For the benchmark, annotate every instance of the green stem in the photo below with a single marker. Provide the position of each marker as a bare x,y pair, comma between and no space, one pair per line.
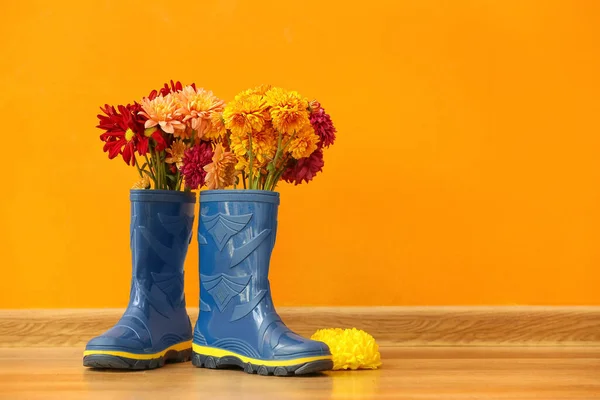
251,172
288,142
264,182
161,168
281,168
151,173
138,166
273,164
228,138
277,177
157,170
177,178
163,171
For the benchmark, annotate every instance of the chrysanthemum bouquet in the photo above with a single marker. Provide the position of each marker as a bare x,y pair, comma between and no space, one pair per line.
156,135
186,137
272,134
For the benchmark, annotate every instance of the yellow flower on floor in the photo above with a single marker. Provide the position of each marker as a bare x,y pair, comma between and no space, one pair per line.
304,143
288,109
143,183
351,348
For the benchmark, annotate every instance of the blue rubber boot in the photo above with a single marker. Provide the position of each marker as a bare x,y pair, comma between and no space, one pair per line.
155,328
238,324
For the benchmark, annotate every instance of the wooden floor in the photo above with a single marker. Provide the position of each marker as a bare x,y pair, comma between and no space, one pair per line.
408,373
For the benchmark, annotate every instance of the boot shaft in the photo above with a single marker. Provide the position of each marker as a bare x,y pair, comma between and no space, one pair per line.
236,235
160,232
237,231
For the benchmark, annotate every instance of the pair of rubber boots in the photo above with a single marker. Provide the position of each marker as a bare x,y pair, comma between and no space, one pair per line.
237,324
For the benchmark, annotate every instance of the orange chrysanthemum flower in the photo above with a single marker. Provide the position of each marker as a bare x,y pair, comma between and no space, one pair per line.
176,153
218,127
221,172
288,109
303,143
162,111
197,107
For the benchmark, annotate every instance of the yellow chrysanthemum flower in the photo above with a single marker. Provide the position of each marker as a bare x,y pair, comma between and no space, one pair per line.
246,114
259,90
304,143
264,144
351,348
244,165
239,147
143,183
288,109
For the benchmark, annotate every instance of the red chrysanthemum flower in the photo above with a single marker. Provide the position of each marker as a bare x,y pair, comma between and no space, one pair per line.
124,131
160,143
322,124
194,161
166,89
304,169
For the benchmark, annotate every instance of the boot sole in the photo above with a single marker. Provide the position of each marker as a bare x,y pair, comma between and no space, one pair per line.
300,366
102,359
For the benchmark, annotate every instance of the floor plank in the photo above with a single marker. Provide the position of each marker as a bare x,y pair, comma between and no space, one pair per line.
391,326
408,373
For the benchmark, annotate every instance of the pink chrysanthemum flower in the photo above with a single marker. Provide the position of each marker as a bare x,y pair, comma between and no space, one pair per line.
304,169
194,161
322,124
198,106
162,111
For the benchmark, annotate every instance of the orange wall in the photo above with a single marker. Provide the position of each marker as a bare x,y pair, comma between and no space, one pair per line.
466,171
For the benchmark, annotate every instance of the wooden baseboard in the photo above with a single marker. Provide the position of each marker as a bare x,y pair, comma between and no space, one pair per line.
391,326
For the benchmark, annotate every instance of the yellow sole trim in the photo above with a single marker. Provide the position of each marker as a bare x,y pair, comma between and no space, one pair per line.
177,347
214,352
